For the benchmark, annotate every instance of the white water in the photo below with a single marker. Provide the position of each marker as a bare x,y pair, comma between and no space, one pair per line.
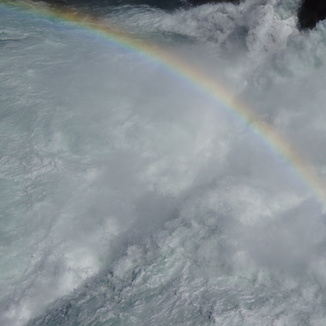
130,198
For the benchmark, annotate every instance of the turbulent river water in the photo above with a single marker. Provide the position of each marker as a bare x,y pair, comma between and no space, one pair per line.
131,196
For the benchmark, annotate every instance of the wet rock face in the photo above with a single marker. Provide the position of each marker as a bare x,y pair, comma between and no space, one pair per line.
311,12
164,4
200,2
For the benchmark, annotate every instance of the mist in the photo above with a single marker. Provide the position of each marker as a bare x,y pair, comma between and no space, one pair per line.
130,196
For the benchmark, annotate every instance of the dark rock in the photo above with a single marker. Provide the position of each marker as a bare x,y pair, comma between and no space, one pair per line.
163,4
89,4
200,2
311,12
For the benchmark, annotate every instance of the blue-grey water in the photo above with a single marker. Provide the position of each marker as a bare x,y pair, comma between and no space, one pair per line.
128,196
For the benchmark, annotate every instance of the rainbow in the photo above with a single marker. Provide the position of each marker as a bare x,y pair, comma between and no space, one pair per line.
200,80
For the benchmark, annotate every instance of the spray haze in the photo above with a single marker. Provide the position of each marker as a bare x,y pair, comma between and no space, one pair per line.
132,194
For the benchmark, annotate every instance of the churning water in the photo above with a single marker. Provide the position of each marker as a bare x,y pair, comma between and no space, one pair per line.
129,196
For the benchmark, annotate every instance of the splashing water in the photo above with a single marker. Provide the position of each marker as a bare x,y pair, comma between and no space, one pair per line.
129,197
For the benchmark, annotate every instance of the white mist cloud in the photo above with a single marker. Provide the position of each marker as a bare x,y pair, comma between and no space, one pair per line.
126,187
